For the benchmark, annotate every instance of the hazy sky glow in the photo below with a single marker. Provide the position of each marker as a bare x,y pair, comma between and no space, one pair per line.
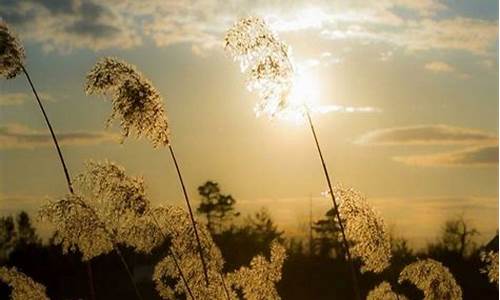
407,92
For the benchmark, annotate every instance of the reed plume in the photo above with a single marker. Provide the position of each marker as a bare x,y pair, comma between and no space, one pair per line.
491,269
176,223
23,287
137,105
384,291
366,230
433,279
139,108
257,282
267,63
12,56
108,208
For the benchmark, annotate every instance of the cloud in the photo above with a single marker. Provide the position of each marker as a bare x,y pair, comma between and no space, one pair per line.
439,67
476,156
64,25
472,35
465,34
13,99
427,135
19,136
123,24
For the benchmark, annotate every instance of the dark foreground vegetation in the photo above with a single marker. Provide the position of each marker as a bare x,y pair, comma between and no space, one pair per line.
312,270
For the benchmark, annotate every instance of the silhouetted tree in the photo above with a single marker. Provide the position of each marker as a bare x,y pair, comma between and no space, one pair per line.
16,234
238,242
26,233
7,236
326,242
456,237
216,207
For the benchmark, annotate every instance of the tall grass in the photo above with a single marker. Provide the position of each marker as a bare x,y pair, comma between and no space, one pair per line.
12,58
270,70
138,106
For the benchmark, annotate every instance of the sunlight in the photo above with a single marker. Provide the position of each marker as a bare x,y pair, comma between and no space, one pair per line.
304,95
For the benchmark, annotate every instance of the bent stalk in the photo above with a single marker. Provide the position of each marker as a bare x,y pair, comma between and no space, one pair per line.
70,187
129,273
335,208
64,167
191,216
174,256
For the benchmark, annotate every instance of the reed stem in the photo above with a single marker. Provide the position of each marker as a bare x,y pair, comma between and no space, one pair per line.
70,187
191,216
336,210
64,167
129,273
174,256
54,138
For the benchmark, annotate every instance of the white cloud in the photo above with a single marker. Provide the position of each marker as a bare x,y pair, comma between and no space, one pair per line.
123,24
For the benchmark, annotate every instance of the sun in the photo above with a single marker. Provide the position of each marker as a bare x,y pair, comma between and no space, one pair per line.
304,96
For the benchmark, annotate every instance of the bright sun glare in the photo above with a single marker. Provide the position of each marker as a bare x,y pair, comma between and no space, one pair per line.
304,95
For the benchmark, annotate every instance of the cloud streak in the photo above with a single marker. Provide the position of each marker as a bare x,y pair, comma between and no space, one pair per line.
427,135
439,67
14,99
13,136
476,156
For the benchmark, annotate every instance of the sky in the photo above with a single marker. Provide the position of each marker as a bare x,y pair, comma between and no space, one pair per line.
416,83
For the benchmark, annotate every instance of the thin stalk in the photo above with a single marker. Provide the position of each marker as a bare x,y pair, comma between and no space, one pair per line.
90,279
335,208
223,281
174,256
64,167
54,138
226,291
127,269
186,197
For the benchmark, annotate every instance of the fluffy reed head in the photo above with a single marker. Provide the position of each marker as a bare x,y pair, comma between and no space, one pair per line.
258,281
434,279
12,53
108,207
175,222
23,287
365,229
265,60
136,102
384,291
491,268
